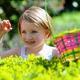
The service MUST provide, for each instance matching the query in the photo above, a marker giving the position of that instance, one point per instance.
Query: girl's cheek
(40, 37)
(23, 37)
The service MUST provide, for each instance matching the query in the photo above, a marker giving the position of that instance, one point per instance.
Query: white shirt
(47, 52)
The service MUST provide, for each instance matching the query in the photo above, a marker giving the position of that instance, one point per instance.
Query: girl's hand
(5, 26)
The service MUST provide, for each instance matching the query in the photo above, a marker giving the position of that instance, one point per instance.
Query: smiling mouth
(30, 42)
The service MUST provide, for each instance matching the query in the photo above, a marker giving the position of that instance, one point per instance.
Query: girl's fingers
(1, 25)
(6, 25)
(9, 24)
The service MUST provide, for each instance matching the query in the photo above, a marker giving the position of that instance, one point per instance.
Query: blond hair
(38, 16)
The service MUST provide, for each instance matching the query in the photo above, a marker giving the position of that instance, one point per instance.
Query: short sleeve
(55, 52)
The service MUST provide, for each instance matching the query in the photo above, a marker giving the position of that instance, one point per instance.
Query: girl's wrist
(1, 34)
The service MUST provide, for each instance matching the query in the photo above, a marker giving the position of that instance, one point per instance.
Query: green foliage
(66, 21)
(37, 68)
(19, 4)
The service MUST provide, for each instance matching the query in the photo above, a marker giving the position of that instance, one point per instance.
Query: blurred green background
(65, 16)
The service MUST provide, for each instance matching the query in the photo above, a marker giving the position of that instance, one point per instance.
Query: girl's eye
(34, 31)
(23, 31)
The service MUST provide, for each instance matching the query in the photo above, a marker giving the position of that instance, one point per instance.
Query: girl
(34, 28)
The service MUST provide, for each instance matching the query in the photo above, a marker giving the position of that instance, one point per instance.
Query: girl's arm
(5, 26)
(10, 52)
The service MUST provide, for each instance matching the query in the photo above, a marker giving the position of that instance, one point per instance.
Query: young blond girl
(34, 28)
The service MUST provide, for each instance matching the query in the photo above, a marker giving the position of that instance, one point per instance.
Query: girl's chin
(30, 46)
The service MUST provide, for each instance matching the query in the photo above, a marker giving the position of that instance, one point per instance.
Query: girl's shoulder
(55, 52)
(47, 51)
(50, 51)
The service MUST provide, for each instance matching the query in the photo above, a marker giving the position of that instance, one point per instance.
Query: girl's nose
(28, 36)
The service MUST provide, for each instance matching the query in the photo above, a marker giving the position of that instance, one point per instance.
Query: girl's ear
(48, 35)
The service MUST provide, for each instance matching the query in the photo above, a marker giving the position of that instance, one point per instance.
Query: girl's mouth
(30, 42)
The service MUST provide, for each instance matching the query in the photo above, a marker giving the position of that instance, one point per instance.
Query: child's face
(32, 36)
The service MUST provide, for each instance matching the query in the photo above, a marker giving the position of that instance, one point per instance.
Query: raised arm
(5, 26)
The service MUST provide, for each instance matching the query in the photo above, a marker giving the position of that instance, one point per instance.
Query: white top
(47, 52)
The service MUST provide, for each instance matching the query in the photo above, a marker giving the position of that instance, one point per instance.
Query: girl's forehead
(30, 25)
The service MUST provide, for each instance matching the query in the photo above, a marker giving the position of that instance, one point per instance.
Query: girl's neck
(34, 50)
